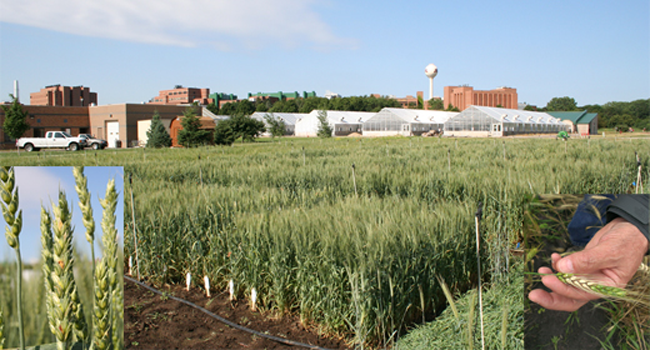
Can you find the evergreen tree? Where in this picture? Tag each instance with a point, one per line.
(15, 123)
(324, 128)
(192, 135)
(157, 135)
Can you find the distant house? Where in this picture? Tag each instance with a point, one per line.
(581, 122)
(405, 122)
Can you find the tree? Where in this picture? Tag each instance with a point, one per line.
(237, 126)
(15, 123)
(157, 135)
(276, 125)
(562, 104)
(192, 135)
(436, 104)
(224, 133)
(451, 108)
(324, 128)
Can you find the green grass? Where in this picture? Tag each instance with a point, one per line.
(363, 266)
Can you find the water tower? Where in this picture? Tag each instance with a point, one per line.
(431, 71)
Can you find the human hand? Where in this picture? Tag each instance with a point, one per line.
(611, 258)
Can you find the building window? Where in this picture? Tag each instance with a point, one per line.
(65, 120)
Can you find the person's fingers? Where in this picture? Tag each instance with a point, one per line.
(555, 301)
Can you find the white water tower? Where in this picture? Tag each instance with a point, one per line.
(431, 71)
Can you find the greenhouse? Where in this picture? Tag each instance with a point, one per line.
(343, 123)
(406, 122)
(289, 120)
(483, 121)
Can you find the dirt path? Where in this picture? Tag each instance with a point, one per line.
(152, 321)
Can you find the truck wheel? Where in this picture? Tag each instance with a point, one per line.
(29, 147)
(74, 147)
(95, 146)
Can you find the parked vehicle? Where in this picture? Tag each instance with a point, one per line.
(52, 139)
(94, 142)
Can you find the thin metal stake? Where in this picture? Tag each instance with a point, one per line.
(354, 180)
(477, 217)
(135, 238)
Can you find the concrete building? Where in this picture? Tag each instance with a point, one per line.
(462, 97)
(180, 95)
(405, 122)
(57, 95)
(118, 124)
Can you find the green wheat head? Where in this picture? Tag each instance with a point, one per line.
(62, 276)
(48, 262)
(81, 186)
(9, 203)
(101, 312)
(109, 239)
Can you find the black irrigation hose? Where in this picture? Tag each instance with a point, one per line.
(223, 320)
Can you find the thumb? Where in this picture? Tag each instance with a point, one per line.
(584, 262)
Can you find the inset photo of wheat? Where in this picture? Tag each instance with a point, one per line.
(604, 307)
(61, 279)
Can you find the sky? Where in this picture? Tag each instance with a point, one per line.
(40, 186)
(128, 50)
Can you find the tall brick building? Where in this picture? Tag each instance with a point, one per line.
(462, 97)
(182, 95)
(57, 95)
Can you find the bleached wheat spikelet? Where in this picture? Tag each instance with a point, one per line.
(62, 276)
(48, 262)
(81, 186)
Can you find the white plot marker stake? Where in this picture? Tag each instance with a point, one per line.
(253, 299)
(207, 285)
(231, 287)
(130, 266)
(188, 280)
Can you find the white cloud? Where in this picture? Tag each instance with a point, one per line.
(221, 24)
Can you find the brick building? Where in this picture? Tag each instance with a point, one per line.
(57, 95)
(462, 97)
(73, 120)
(182, 95)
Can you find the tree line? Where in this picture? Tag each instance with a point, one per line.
(621, 115)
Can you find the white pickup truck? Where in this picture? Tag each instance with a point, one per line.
(52, 139)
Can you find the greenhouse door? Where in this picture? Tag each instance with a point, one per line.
(496, 130)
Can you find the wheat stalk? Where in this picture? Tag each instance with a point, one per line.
(2, 326)
(9, 205)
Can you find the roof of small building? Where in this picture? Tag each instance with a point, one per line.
(345, 117)
(287, 118)
(579, 117)
(420, 115)
(513, 115)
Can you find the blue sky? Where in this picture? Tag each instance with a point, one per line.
(40, 185)
(128, 50)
